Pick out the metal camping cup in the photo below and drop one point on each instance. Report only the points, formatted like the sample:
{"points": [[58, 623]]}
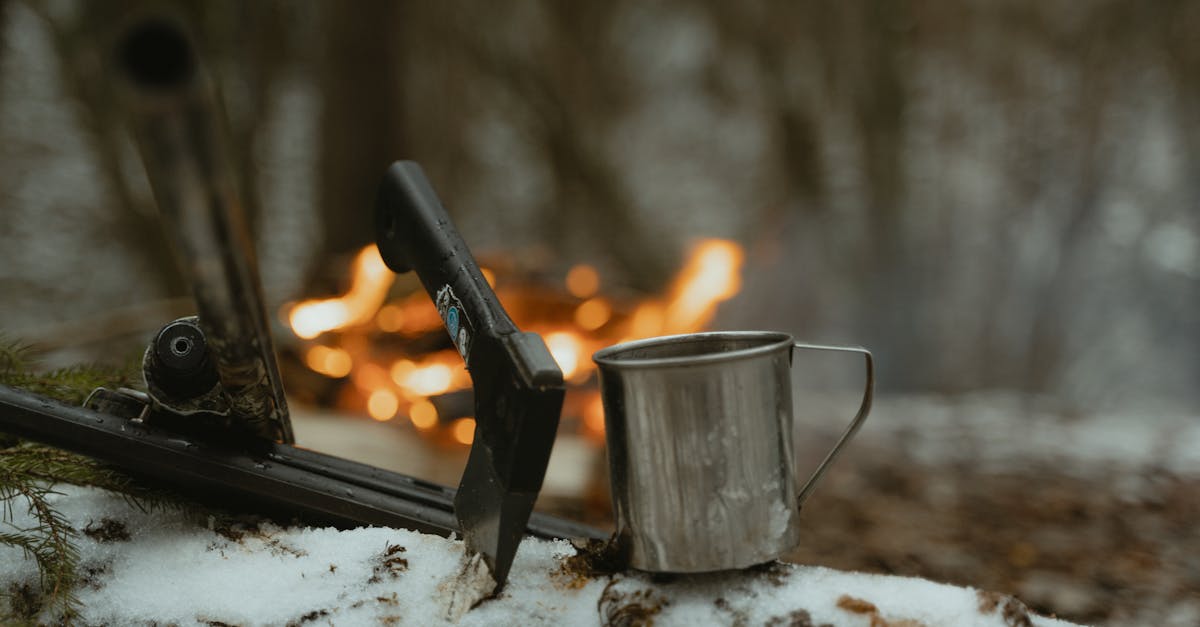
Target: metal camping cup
{"points": [[699, 431]]}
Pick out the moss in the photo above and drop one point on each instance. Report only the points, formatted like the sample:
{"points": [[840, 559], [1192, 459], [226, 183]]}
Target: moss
{"points": [[389, 563], [632, 609], [592, 559], [1014, 613], [107, 530], [309, 617], [24, 604]]}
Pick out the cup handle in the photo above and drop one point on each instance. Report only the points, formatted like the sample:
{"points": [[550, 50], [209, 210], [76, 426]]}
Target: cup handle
{"points": [[863, 410]]}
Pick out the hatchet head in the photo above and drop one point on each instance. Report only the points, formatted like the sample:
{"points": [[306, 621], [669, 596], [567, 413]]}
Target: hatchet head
{"points": [[518, 396]]}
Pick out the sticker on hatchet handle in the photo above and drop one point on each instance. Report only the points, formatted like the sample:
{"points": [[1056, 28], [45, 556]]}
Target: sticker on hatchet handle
{"points": [[863, 410], [458, 325]]}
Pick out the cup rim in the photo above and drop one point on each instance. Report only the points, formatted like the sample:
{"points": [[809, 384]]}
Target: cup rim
{"points": [[611, 356]]}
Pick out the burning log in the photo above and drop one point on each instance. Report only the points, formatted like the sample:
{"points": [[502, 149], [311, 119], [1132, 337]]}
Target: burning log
{"points": [[396, 353]]}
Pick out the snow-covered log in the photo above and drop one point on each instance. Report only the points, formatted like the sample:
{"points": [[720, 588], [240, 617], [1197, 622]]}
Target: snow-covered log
{"points": [[163, 568]]}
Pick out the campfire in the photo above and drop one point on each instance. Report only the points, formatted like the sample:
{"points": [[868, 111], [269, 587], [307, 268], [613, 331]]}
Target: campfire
{"points": [[390, 358]]}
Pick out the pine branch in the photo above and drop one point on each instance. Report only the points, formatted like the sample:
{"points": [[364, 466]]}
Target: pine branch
{"points": [[50, 542], [28, 472], [14, 356], [71, 385], [58, 466]]}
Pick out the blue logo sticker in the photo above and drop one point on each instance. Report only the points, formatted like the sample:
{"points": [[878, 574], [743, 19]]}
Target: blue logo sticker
{"points": [[457, 322]]}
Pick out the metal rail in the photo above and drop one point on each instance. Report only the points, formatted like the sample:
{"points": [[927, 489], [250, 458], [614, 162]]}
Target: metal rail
{"points": [[283, 481]]}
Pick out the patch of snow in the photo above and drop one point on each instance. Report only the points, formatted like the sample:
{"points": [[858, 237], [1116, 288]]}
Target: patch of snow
{"points": [[779, 519], [473, 584], [1000, 432], [1174, 248], [162, 568]]}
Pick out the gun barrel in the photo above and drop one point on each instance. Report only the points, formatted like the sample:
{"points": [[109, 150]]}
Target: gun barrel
{"points": [[179, 128]]}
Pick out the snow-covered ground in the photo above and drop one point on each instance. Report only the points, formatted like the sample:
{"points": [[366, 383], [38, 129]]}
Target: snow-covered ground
{"points": [[1005, 431], [161, 568], [998, 432]]}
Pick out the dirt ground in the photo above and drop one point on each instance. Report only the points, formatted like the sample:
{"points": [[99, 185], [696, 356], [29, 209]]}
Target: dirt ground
{"points": [[1113, 548], [1109, 548]]}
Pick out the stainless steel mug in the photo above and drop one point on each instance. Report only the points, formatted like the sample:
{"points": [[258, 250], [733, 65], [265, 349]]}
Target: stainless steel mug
{"points": [[699, 431]]}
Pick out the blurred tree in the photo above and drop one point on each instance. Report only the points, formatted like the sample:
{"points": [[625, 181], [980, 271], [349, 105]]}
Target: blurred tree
{"points": [[361, 78], [982, 192], [245, 46]]}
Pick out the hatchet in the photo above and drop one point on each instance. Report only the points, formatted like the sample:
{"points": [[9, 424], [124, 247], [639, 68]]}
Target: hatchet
{"points": [[518, 386]]}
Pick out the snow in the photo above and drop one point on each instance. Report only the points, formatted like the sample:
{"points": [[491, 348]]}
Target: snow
{"points": [[174, 570], [1004, 431]]}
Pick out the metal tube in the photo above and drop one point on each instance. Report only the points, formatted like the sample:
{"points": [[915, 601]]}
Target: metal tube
{"points": [[179, 129]]}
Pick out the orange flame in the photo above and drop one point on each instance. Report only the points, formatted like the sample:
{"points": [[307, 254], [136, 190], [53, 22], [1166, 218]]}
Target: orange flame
{"points": [[567, 349], [423, 415], [583, 281], [382, 405], [593, 314], [593, 414], [331, 362], [710, 276], [435, 374], [464, 430], [369, 285]]}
